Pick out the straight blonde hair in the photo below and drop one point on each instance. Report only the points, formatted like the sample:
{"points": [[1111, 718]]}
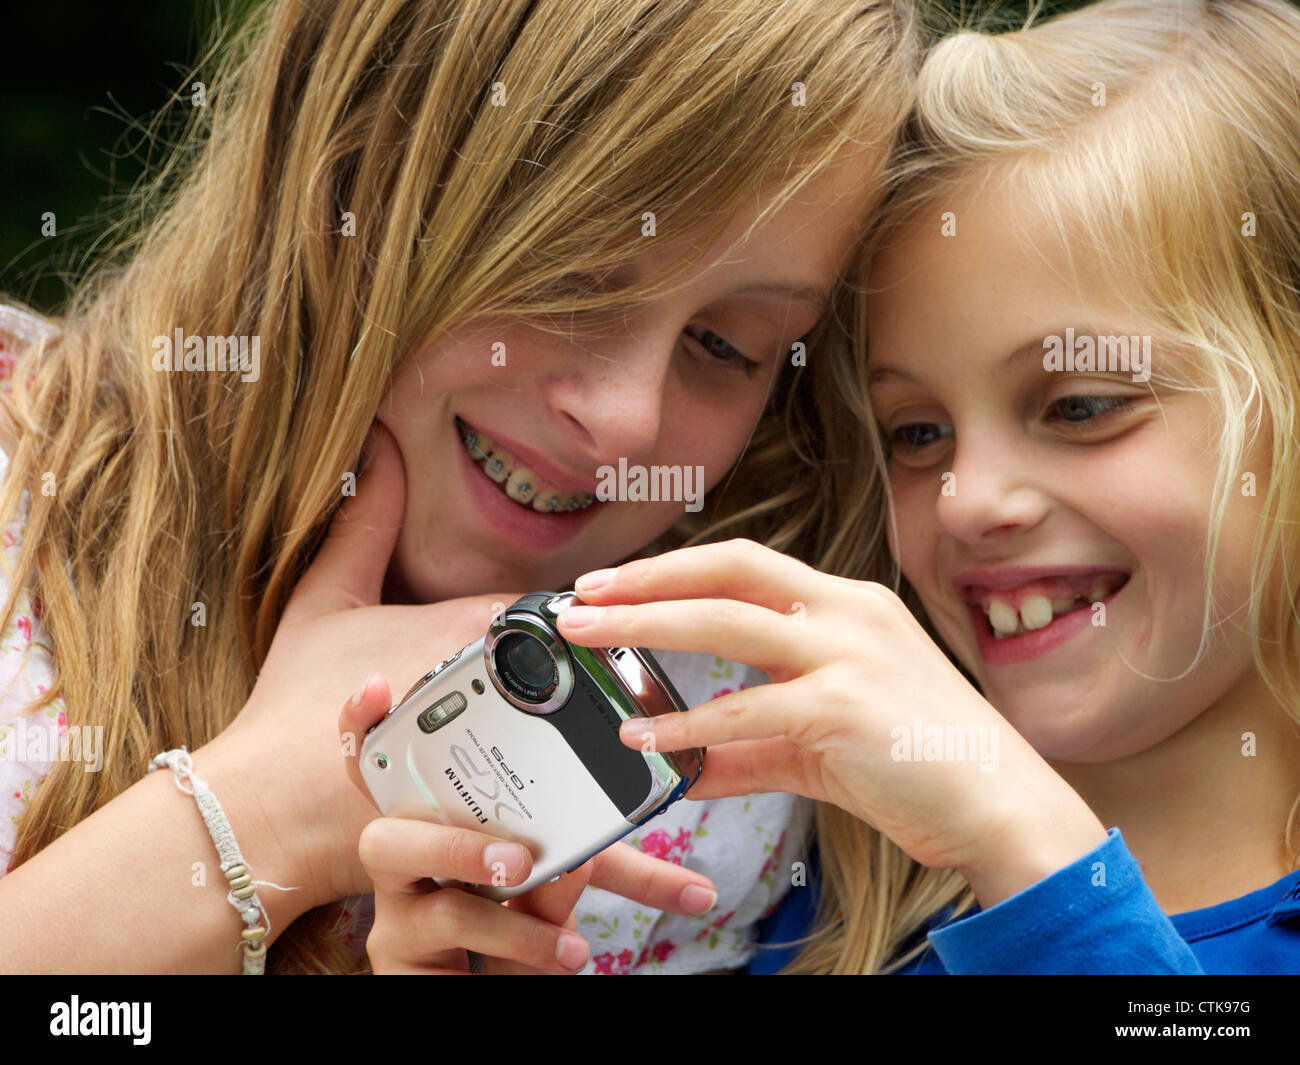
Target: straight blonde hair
{"points": [[352, 188]]}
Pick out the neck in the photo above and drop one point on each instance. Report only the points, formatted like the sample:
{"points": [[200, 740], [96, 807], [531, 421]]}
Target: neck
{"points": [[1205, 811]]}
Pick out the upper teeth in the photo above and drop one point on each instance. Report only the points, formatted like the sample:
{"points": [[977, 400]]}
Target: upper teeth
{"points": [[1037, 611], [521, 484]]}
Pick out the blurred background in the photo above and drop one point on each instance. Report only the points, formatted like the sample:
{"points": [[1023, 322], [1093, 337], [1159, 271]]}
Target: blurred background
{"points": [[94, 94]]}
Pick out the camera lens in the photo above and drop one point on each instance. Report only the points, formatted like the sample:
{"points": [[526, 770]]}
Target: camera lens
{"points": [[526, 667]]}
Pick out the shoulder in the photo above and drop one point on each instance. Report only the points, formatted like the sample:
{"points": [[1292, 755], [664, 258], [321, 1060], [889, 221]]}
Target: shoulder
{"points": [[20, 328]]}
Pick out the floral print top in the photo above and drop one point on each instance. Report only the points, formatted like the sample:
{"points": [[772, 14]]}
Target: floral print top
{"points": [[29, 741]]}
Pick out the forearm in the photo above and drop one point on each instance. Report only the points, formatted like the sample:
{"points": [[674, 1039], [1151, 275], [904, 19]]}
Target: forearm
{"points": [[137, 887]]}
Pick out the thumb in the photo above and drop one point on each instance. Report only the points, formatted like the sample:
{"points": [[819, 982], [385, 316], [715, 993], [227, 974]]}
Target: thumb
{"points": [[349, 567], [554, 902], [367, 707]]}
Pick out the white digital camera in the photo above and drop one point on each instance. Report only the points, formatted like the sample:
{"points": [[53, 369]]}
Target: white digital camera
{"points": [[517, 735]]}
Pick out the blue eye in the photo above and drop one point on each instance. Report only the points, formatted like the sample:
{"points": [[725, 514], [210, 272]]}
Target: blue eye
{"points": [[1089, 410], [719, 351], [916, 435]]}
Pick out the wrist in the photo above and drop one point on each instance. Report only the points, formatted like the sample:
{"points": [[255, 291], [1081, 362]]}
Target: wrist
{"points": [[1029, 847], [258, 828]]}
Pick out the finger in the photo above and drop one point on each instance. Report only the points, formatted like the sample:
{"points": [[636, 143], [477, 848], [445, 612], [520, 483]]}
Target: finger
{"points": [[763, 712], [367, 707], [350, 565], [751, 767], [735, 569], [400, 854], [554, 901], [660, 885], [419, 929], [742, 632]]}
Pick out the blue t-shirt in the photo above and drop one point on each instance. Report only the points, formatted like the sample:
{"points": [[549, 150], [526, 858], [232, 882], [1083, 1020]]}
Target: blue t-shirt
{"points": [[1096, 915]]}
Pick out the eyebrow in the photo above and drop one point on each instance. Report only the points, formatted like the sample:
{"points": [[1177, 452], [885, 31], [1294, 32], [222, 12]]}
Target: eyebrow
{"points": [[812, 295], [809, 294], [1032, 346]]}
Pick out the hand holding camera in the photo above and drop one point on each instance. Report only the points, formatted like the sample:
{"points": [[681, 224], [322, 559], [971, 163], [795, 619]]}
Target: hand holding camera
{"points": [[423, 928]]}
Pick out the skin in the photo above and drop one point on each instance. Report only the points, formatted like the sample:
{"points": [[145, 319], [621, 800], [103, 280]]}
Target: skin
{"points": [[1085, 741], [639, 387], [1130, 490]]}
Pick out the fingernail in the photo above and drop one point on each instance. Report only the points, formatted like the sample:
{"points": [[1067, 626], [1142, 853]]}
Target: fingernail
{"points": [[597, 578], [359, 695], [579, 617], [508, 856], [572, 952], [634, 728], [698, 899]]}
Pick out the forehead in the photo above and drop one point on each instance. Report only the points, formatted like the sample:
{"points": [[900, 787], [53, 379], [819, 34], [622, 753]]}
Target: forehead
{"points": [[985, 250], [816, 227]]}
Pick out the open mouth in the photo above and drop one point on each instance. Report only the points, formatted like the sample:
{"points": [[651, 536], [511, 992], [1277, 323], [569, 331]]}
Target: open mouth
{"points": [[516, 481], [1012, 612]]}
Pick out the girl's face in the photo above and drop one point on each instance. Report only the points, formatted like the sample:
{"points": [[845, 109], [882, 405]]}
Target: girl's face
{"points": [[1023, 494], [679, 382]]}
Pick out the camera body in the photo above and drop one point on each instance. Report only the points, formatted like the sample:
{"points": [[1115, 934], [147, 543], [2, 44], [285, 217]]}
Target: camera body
{"points": [[516, 735]]}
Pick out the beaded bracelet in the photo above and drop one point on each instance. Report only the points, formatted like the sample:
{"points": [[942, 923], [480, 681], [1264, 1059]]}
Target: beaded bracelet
{"points": [[243, 888]]}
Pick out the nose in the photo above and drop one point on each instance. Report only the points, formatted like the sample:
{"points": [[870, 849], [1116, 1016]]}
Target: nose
{"points": [[610, 390], [992, 489]]}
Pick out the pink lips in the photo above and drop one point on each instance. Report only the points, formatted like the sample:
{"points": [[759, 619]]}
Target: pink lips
{"points": [[975, 587], [521, 527], [1014, 576]]}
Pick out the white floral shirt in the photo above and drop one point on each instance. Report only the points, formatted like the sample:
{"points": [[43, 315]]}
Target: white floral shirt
{"points": [[29, 741]]}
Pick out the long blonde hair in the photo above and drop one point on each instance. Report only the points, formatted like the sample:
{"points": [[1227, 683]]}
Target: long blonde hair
{"points": [[1163, 140], [352, 187]]}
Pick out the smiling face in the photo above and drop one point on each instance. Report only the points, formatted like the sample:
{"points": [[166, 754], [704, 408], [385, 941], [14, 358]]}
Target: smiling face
{"points": [[1066, 487], [503, 426]]}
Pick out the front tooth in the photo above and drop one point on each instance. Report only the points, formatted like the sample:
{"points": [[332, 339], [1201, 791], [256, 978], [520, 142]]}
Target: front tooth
{"points": [[547, 501], [520, 486], [497, 466], [1002, 616], [1036, 612], [479, 445]]}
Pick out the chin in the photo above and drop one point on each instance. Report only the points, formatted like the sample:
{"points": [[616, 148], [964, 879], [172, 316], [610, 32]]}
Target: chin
{"points": [[1103, 732]]}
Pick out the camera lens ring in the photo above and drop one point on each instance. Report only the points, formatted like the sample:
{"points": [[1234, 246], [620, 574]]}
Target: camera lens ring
{"points": [[515, 651]]}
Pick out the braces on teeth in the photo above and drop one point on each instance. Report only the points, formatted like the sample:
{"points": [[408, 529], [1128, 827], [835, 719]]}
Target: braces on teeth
{"points": [[518, 480]]}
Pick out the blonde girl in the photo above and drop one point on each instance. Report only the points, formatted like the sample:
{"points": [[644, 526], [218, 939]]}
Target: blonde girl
{"points": [[1084, 357], [595, 228]]}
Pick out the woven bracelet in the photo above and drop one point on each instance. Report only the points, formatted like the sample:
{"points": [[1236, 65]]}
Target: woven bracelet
{"points": [[242, 894]]}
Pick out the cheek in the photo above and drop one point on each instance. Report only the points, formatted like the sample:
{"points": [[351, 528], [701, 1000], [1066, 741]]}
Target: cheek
{"points": [[911, 533], [709, 435], [472, 355]]}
